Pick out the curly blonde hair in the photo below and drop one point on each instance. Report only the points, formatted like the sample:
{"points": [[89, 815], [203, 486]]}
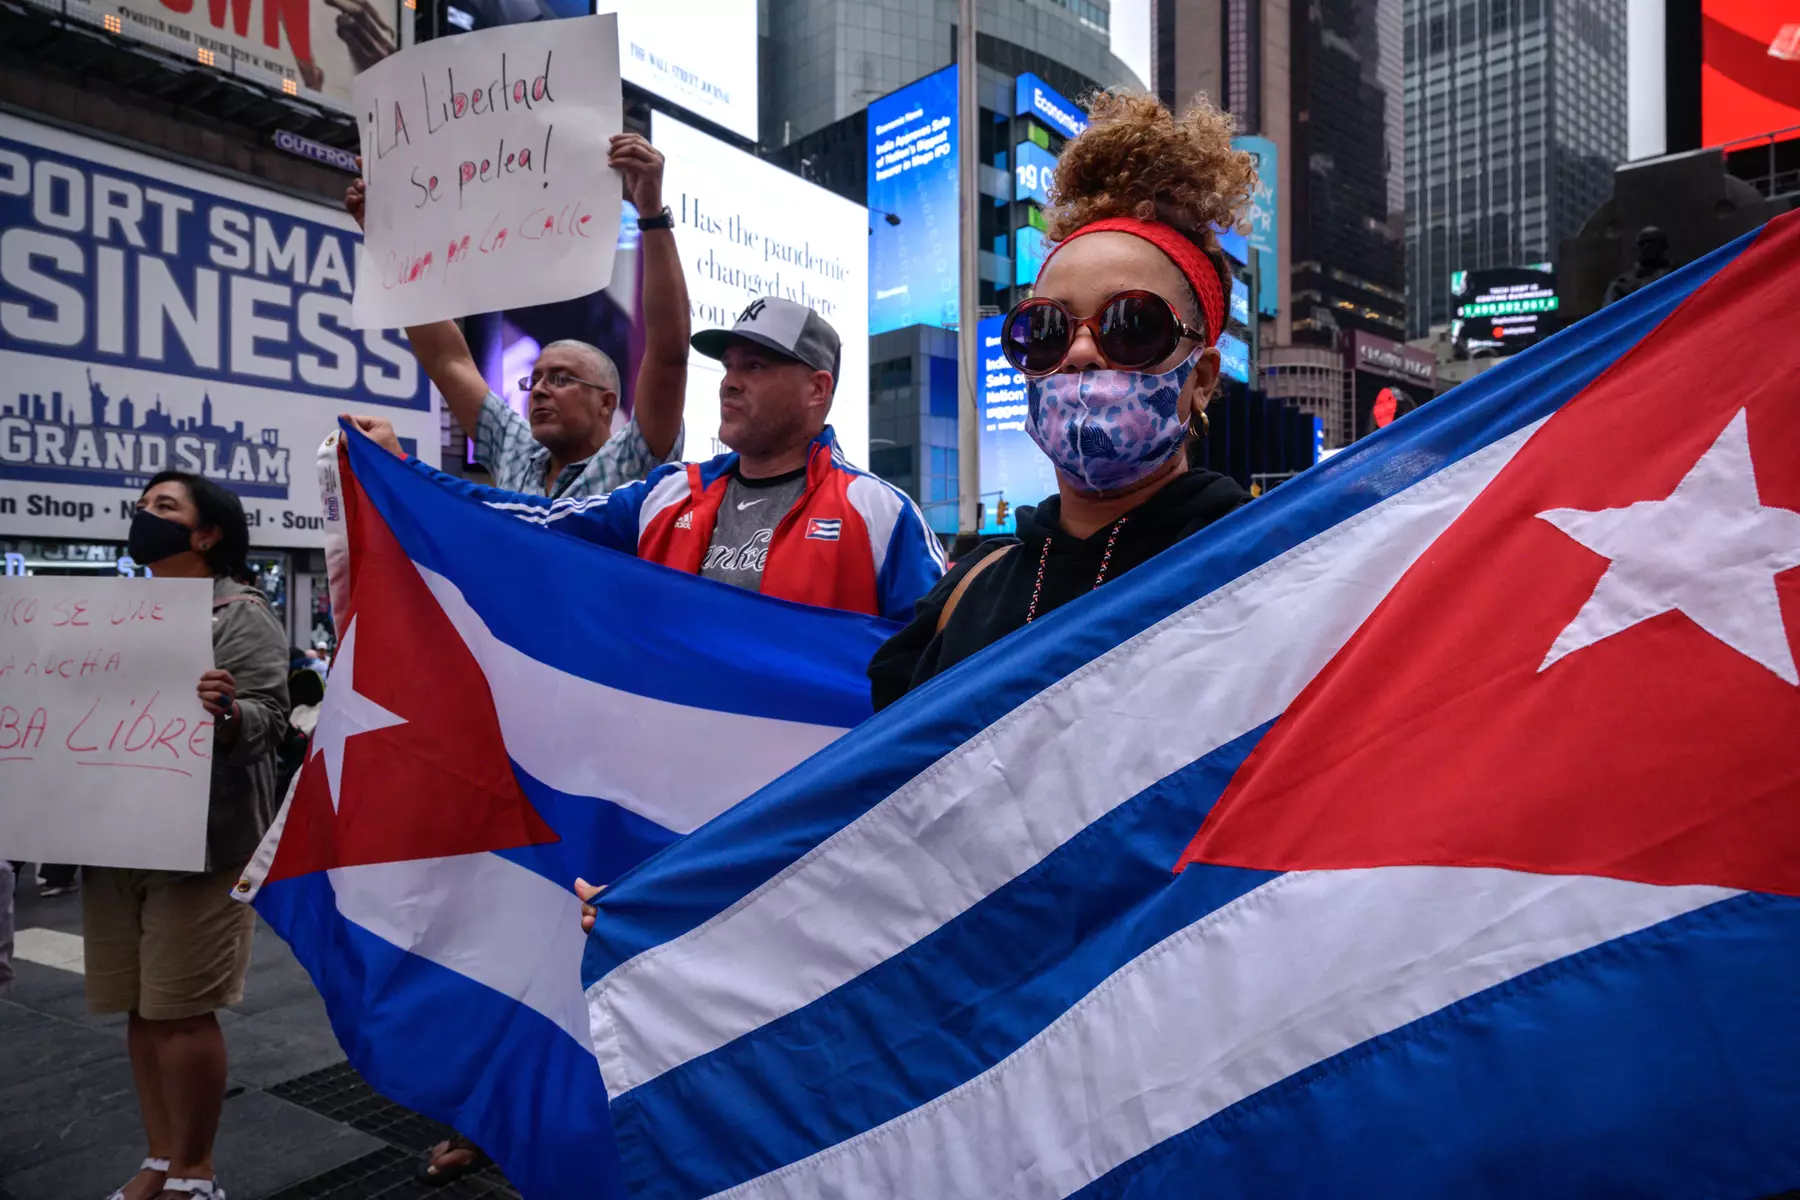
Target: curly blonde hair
{"points": [[1136, 159]]}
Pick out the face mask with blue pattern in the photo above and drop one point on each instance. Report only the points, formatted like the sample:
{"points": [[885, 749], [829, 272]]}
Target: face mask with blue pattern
{"points": [[1108, 429]]}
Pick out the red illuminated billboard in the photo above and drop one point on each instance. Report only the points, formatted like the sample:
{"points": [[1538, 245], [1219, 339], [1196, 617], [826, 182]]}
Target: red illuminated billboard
{"points": [[1750, 68]]}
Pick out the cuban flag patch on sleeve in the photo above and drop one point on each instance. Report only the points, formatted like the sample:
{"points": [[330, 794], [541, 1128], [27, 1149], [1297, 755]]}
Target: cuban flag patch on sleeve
{"points": [[819, 529]]}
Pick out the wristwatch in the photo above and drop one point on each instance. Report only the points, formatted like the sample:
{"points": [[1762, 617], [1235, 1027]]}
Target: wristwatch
{"points": [[662, 220]]}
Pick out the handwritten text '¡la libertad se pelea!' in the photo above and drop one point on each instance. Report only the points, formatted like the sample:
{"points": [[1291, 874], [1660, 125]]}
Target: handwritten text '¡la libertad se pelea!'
{"points": [[450, 104]]}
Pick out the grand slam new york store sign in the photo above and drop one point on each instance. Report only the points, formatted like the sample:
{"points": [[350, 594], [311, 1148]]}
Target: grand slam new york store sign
{"points": [[154, 317]]}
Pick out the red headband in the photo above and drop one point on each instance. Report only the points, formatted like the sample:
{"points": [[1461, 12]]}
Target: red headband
{"points": [[1192, 261]]}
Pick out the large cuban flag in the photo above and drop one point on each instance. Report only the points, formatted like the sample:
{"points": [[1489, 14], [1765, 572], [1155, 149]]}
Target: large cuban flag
{"points": [[510, 709], [1430, 827]]}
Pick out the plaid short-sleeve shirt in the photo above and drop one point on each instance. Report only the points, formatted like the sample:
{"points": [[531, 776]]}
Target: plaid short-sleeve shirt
{"points": [[503, 443]]}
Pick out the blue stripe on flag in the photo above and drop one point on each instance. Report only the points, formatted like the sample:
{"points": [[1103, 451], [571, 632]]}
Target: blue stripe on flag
{"points": [[1599, 1092], [617, 620], [597, 840], [725, 860], [380, 999], [955, 1004]]}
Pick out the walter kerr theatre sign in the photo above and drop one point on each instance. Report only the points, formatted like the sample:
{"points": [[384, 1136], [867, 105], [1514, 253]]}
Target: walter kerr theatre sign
{"points": [[152, 318]]}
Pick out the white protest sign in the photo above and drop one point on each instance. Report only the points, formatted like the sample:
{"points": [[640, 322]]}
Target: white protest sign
{"points": [[485, 156], [105, 750]]}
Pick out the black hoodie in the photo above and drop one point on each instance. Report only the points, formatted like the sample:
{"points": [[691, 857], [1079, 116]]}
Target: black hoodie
{"points": [[996, 602]]}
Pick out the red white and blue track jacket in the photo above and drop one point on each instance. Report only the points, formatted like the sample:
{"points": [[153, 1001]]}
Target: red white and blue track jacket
{"points": [[851, 541]]}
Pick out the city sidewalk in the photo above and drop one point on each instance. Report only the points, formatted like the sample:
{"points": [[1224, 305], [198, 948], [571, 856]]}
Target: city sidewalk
{"points": [[299, 1124]]}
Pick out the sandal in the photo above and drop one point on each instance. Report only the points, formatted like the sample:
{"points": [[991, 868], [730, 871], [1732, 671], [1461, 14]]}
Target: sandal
{"points": [[438, 1176], [159, 1165], [208, 1188]]}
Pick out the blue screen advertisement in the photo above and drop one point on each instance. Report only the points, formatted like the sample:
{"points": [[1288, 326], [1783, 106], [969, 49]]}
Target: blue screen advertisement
{"points": [[1240, 302], [1234, 356], [1263, 218], [913, 266], [1012, 467], [154, 317], [1029, 251], [1034, 170], [1234, 244], [1035, 98]]}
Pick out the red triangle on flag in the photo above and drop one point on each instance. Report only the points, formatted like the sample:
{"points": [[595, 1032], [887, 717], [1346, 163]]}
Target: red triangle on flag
{"points": [[423, 772], [1660, 751]]}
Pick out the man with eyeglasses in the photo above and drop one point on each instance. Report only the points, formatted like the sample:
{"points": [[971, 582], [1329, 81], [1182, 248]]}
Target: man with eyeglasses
{"points": [[565, 445]]}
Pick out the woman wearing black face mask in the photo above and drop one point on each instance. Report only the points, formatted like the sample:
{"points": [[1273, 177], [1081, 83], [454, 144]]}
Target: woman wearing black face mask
{"points": [[1116, 345], [172, 948]]}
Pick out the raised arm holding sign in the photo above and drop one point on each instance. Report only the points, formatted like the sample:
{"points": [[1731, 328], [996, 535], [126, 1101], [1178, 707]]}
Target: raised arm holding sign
{"points": [[486, 157]]}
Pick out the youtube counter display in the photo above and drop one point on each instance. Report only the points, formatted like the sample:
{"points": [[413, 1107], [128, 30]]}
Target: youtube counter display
{"points": [[1502, 310]]}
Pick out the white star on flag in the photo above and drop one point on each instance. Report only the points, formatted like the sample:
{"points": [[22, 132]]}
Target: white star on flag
{"points": [[345, 713], [1712, 550]]}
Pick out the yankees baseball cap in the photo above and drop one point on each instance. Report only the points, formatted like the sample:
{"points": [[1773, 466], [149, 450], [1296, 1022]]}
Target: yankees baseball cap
{"points": [[791, 330]]}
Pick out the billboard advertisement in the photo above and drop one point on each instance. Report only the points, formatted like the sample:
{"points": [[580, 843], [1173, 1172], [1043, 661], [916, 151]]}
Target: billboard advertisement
{"points": [[306, 48], [1390, 379], [1035, 98], [1262, 219], [1501, 310], [1030, 249], [155, 317], [748, 229], [1749, 68], [913, 266], [711, 76], [700, 54], [1012, 467], [1034, 170], [1234, 357]]}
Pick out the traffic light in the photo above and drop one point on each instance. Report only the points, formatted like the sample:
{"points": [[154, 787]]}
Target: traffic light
{"points": [[1001, 510]]}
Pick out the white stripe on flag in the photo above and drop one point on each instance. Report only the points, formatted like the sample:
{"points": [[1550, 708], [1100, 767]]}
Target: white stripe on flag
{"points": [[679, 766], [1304, 967], [1021, 788], [482, 916]]}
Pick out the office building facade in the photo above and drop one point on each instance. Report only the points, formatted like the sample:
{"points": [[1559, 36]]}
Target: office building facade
{"points": [[1515, 118], [827, 59], [1348, 257]]}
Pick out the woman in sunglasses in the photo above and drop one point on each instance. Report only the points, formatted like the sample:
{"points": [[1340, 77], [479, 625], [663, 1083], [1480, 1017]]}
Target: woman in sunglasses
{"points": [[1116, 346]]}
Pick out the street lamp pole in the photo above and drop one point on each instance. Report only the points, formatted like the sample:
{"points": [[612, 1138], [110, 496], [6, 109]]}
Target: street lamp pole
{"points": [[968, 340]]}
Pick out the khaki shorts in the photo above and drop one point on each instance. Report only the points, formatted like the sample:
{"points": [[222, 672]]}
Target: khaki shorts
{"points": [[162, 944]]}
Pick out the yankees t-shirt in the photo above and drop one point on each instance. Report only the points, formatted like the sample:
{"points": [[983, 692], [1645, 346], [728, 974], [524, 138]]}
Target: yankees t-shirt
{"points": [[746, 522]]}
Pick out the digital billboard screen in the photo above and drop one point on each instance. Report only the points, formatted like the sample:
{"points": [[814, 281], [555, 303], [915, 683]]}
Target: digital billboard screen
{"points": [[311, 49], [1749, 68], [1262, 218], [913, 266], [1234, 358], [748, 229], [1034, 170], [708, 75], [1012, 467], [1240, 302], [699, 54], [1035, 98], [1501, 310]]}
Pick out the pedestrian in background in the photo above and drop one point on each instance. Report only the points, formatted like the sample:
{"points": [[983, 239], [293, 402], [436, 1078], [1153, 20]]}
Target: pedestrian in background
{"points": [[172, 948]]}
